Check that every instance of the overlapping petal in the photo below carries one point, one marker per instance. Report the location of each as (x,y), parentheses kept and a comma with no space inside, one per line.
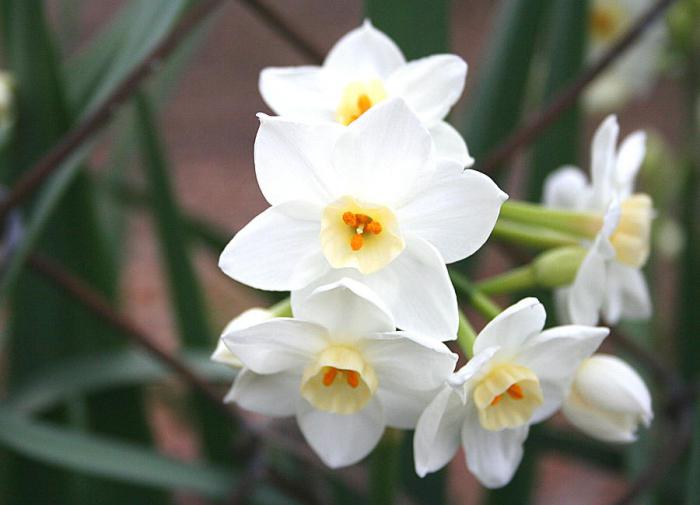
(512,327)
(449,144)
(272,395)
(296,93)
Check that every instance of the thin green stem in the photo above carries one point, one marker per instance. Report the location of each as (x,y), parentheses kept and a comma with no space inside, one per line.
(476,298)
(531,236)
(384,469)
(466,335)
(572,222)
(282,308)
(512,281)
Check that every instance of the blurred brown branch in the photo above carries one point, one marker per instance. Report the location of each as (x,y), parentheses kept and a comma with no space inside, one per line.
(564,100)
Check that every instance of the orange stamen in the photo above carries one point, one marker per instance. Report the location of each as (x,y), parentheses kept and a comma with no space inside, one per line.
(356,242)
(329,376)
(350,219)
(363,103)
(374,228)
(516,392)
(496,399)
(353,378)
(362,219)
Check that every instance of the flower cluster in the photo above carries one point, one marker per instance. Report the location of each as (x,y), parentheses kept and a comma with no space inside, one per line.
(370,198)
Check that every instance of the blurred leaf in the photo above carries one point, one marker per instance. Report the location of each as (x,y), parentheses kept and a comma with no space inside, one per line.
(497,101)
(420,28)
(98,372)
(558,145)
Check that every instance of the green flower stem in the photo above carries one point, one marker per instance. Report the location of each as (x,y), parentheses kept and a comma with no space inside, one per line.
(466,335)
(584,224)
(531,236)
(515,280)
(282,308)
(384,468)
(476,298)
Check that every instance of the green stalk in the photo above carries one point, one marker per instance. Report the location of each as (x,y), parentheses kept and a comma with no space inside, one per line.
(515,280)
(384,466)
(476,298)
(466,335)
(585,224)
(531,236)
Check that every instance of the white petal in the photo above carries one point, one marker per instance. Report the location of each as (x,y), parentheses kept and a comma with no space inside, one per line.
(272,395)
(417,290)
(455,211)
(222,355)
(565,188)
(436,438)
(293,159)
(492,456)
(296,92)
(605,426)
(402,408)
(475,365)
(629,160)
(555,355)
(380,156)
(364,53)
(403,361)
(277,345)
(267,252)
(341,439)
(430,85)
(449,144)
(348,309)
(512,327)
(634,292)
(243,320)
(603,150)
(588,292)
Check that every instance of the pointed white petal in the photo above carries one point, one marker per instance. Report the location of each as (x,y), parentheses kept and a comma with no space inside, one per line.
(293,159)
(436,439)
(449,144)
(588,292)
(629,160)
(492,456)
(348,309)
(296,92)
(512,327)
(341,439)
(455,210)
(364,53)
(273,395)
(404,361)
(417,290)
(554,356)
(267,252)
(430,85)
(566,188)
(403,407)
(276,345)
(380,156)
(634,292)
(603,160)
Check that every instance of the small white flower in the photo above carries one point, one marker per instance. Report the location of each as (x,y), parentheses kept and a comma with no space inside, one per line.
(364,68)
(633,74)
(519,375)
(608,400)
(341,368)
(244,320)
(367,201)
(609,278)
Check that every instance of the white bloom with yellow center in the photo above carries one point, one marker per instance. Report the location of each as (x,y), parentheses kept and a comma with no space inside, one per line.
(341,368)
(633,74)
(609,278)
(245,319)
(519,375)
(364,68)
(368,202)
(608,400)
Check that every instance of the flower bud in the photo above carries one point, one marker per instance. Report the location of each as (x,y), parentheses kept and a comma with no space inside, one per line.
(608,400)
(558,267)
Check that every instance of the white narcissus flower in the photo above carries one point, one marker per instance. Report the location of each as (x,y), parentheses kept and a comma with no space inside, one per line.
(633,74)
(245,319)
(608,400)
(365,67)
(341,368)
(519,375)
(609,279)
(368,202)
